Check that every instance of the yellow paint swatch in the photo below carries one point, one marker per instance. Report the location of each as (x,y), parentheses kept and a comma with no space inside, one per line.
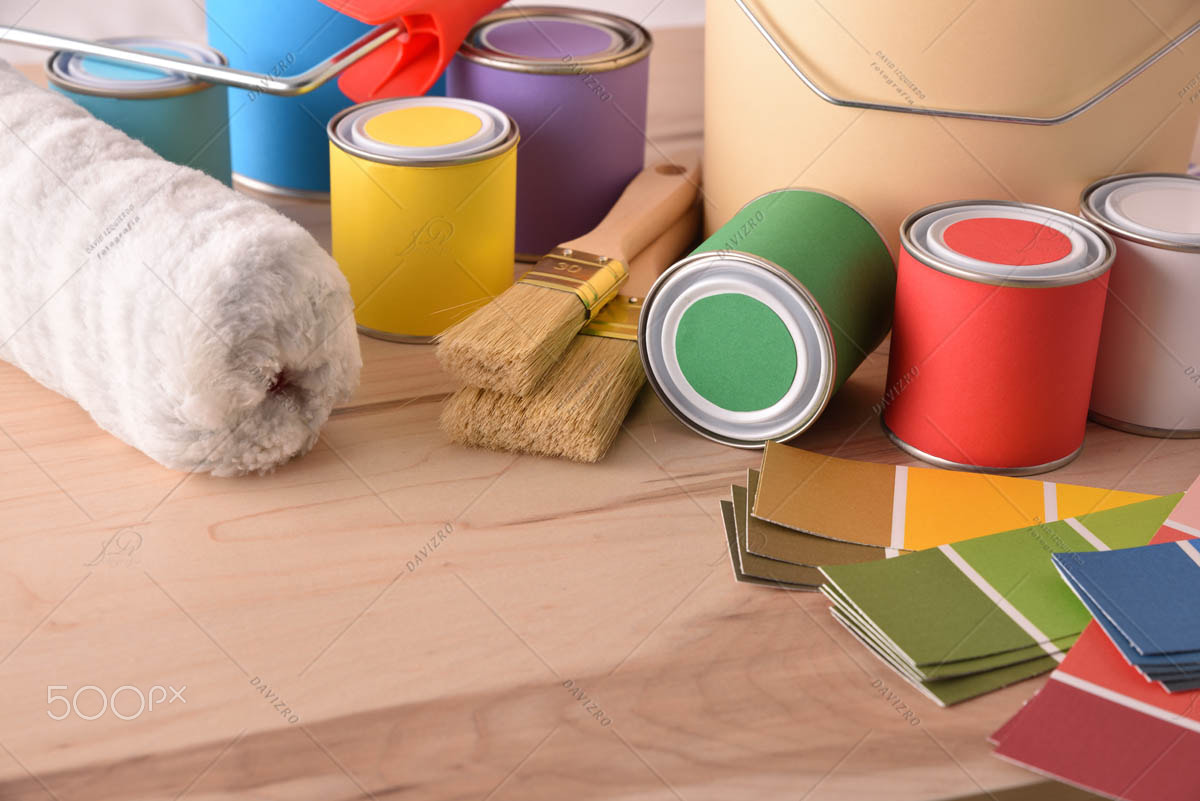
(1074,501)
(911,508)
(946,506)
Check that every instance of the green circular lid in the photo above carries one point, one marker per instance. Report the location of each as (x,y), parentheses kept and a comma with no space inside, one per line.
(735,352)
(737,348)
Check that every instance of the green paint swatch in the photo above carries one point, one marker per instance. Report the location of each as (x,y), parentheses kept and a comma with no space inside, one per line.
(948,691)
(941,670)
(728,516)
(735,352)
(766,569)
(931,617)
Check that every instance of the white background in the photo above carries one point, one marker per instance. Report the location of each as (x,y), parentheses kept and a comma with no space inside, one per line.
(185,18)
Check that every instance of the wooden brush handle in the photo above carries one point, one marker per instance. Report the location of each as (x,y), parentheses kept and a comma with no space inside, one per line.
(660,254)
(654,199)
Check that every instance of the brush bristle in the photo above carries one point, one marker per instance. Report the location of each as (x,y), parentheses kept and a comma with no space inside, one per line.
(511,343)
(575,413)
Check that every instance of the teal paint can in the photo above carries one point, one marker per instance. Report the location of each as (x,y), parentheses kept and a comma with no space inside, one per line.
(182,119)
(746,339)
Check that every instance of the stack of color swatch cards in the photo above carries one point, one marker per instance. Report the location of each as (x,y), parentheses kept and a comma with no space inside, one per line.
(805,510)
(1100,723)
(1147,600)
(970,617)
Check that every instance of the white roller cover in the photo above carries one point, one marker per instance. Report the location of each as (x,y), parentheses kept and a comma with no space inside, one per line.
(192,322)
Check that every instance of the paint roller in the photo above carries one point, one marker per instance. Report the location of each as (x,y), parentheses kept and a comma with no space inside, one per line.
(406,51)
(192,322)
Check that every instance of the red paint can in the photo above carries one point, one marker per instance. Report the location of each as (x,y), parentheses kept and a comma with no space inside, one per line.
(998,312)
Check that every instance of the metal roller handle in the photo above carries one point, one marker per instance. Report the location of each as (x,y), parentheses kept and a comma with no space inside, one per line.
(271,84)
(966,115)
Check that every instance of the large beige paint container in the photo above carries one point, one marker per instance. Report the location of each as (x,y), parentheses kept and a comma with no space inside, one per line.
(766,129)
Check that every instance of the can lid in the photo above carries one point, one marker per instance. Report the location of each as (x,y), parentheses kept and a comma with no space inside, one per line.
(737,348)
(422,130)
(554,39)
(1007,244)
(94,75)
(1159,209)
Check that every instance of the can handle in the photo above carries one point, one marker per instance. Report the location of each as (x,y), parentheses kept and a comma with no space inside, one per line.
(985,116)
(300,84)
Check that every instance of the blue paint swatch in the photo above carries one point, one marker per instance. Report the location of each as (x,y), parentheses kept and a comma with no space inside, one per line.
(1147,600)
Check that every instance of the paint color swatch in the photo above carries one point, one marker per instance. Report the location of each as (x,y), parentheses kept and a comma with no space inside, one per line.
(751,568)
(908,508)
(955,689)
(789,545)
(1099,725)
(985,605)
(1147,600)
(990,594)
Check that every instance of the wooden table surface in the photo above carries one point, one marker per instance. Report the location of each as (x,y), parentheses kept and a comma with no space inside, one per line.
(396,617)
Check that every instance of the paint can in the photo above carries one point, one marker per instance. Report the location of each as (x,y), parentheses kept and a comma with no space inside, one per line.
(998,310)
(746,339)
(422,205)
(279,143)
(182,119)
(575,81)
(1148,368)
(840,93)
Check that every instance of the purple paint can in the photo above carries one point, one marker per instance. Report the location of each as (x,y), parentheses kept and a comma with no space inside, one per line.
(575,82)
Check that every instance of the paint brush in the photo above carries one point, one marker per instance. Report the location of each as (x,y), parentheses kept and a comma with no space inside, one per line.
(577,411)
(511,343)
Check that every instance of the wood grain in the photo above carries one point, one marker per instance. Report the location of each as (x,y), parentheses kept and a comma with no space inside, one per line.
(441,623)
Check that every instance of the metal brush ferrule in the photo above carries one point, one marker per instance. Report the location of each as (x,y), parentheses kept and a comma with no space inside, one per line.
(593,278)
(617,320)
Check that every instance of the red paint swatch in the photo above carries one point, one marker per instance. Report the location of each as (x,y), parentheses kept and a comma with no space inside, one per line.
(1099,725)
(1103,747)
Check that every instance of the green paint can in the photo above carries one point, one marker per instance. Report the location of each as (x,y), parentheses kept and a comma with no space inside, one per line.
(746,339)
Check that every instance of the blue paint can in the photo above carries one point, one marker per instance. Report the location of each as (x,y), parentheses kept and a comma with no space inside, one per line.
(182,119)
(280,145)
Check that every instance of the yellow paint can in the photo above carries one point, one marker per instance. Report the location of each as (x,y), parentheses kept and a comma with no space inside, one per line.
(423,208)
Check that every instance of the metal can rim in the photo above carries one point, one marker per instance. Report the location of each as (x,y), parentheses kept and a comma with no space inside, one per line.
(825,331)
(948,464)
(501,146)
(277,192)
(1141,429)
(1089,213)
(189,86)
(639,47)
(923,256)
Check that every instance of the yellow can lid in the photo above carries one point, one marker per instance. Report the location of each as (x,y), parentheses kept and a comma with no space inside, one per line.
(421,129)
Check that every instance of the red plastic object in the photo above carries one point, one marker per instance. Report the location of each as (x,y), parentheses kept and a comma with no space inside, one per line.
(411,63)
(993,376)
